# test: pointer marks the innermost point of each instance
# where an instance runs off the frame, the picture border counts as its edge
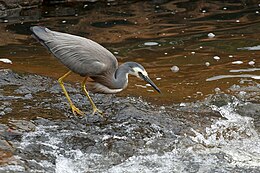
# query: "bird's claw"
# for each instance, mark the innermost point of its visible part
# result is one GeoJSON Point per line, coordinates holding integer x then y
{"type": "Point", "coordinates": [76, 111]}
{"type": "Point", "coordinates": [96, 110]}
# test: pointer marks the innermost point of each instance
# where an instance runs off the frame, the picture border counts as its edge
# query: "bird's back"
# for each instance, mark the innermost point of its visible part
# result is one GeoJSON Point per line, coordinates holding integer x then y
{"type": "Point", "coordinates": [81, 55]}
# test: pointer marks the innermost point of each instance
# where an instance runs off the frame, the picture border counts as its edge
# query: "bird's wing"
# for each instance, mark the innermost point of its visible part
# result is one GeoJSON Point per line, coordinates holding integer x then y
{"type": "Point", "coordinates": [81, 55]}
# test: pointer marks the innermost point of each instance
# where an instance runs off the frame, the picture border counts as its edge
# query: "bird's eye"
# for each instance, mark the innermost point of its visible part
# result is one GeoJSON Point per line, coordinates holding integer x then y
{"type": "Point", "coordinates": [140, 74]}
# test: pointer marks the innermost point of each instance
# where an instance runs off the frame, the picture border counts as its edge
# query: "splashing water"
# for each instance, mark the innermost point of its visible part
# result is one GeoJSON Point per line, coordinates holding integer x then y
{"type": "Point", "coordinates": [234, 135]}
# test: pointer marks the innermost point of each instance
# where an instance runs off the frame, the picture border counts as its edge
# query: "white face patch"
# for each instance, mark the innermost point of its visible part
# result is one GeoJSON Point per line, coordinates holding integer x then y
{"type": "Point", "coordinates": [136, 70]}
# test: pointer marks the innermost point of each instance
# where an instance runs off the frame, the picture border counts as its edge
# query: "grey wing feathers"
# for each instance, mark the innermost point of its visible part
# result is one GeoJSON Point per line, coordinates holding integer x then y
{"type": "Point", "coordinates": [81, 55]}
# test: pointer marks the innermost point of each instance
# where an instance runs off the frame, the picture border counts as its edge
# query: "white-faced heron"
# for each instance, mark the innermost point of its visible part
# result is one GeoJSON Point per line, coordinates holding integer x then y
{"type": "Point", "coordinates": [89, 59]}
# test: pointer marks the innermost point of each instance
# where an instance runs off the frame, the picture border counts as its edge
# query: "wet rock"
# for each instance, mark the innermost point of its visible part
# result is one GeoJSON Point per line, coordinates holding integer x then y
{"type": "Point", "coordinates": [5, 146]}
{"type": "Point", "coordinates": [10, 4]}
{"type": "Point", "coordinates": [12, 135]}
{"type": "Point", "coordinates": [8, 77]}
{"type": "Point", "coordinates": [175, 69]}
{"type": "Point", "coordinates": [221, 99]}
{"type": "Point", "coordinates": [22, 125]}
{"type": "Point", "coordinates": [78, 142]}
{"type": "Point", "coordinates": [28, 96]}
{"type": "Point", "coordinates": [6, 158]}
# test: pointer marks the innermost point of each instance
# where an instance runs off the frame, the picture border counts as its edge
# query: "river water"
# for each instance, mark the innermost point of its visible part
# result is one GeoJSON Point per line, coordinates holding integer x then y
{"type": "Point", "coordinates": [204, 56]}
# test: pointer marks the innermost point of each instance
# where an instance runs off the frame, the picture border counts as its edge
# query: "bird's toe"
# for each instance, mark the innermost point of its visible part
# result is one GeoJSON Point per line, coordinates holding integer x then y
{"type": "Point", "coordinates": [95, 110]}
{"type": "Point", "coordinates": [76, 111]}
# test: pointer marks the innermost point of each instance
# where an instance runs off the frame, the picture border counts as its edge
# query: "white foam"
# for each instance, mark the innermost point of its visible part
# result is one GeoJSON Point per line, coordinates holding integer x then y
{"type": "Point", "coordinates": [250, 48]}
{"type": "Point", "coordinates": [167, 162]}
{"type": "Point", "coordinates": [234, 135]}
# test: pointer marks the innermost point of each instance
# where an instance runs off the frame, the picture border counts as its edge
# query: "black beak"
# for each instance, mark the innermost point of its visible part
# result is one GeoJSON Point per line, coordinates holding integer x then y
{"type": "Point", "coordinates": [148, 80]}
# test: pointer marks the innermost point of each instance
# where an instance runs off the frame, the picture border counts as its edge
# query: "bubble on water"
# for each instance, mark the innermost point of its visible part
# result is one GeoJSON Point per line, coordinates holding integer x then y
{"type": "Point", "coordinates": [175, 69]}
{"type": "Point", "coordinates": [217, 90]}
{"type": "Point", "coordinates": [216, 58]}
{"type": "Point", "coordinates": [211, 35]}
{"type": "Point", "coordinates": [116, 53]}
{"type": "Point", "coordinates": [5, 21]}
{"type": "Point", "coordinates": [5, 60]}
{"type": "Point", "coordinates": [64, 21]}
{"type": "Point", "coordinates": [237, 62]}
{"type": "Point", "coordinates": [224, 8]}
{"type": "Point", "coordinates": [201, 47]}
{"type": "Point", "coordinates": [204, 11]}
{"type": "Point", "coordinates": [207, 64]}
{"type": "Point", "coordinates": [86, 5]}
{"type": "Point", "coordinates": [237, 21]}
{"type": "Point", "coordinates": [151, 43]}
{"type": "Point", "coordinates": [251, 63]}
{"type": "Point", "coordinates": [257, 12]}
{"type": "Point", "coordinates": [165, 53]}
{"type": "Point", "coordinates": [158, 78]}
{"type": "Point", "coordinates": [230, 56]}
{"type": "Point", "coordinates": [193, 53]}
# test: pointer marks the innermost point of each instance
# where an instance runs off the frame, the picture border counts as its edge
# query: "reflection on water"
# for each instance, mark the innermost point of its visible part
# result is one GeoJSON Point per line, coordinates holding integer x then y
{"type": "Point", "coordinates": [233, 76]}
{"type": "Point", "coordinates": [158, 34]}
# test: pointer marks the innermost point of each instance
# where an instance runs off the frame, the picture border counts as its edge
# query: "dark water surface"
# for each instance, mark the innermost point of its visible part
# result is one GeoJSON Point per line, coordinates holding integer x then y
{"type": "Point", "coordinates": [203, 55]}
{"type": "Point", "coordinates": [158, 34]}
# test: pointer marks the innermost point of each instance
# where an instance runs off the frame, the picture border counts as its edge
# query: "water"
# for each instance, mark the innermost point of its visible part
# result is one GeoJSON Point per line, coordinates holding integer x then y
{"type": "Point", "coordinates": [205, 120]}
{"type": "Point", "coordinates": [165, 34]}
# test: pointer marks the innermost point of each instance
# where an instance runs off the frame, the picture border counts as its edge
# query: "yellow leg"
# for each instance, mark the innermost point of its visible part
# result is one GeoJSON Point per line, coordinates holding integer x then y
{"type": "Point", "coordinates": [75, 110]}
{"type": "Point", "coordinates": [95, 109]}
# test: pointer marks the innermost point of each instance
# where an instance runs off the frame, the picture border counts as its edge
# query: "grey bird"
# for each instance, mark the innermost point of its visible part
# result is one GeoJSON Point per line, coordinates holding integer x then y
{"type": "Point", "coordinates": [90, 60]}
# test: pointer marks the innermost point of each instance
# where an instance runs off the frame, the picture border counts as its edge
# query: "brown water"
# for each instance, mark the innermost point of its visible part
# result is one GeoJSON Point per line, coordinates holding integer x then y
{"type": "Point", "coordinates": [157, 34]}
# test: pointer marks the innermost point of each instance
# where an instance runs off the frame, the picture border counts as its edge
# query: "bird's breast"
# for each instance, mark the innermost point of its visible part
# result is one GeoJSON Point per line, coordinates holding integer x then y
{"type": "Point", "coordinates": [99, 88]}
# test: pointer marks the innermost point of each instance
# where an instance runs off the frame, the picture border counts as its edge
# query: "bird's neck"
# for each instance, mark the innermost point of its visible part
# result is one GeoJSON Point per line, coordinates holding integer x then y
{"type": "Point", "coordinates": [121, 76]}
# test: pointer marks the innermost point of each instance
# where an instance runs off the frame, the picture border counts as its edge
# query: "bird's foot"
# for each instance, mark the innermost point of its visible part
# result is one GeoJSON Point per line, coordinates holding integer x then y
{"type": "Point", "coordinates": [76, 111]}
{"type": "Point", "coordinates": [96, 110]}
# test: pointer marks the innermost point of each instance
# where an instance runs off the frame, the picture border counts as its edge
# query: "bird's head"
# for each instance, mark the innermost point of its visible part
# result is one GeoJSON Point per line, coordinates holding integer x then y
{"type": "Point", "coordinates": [139, 71]}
